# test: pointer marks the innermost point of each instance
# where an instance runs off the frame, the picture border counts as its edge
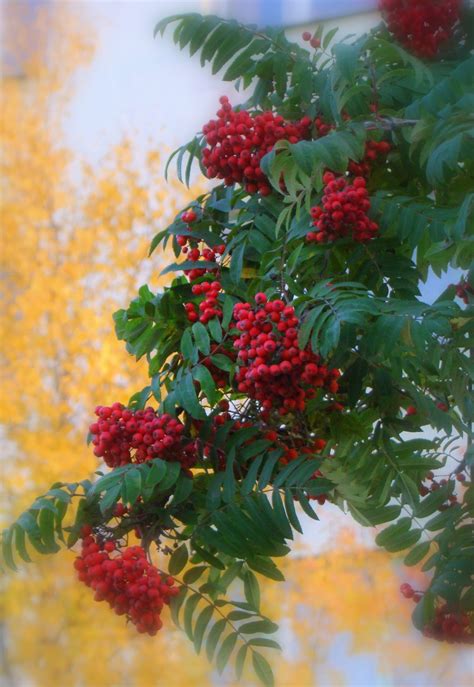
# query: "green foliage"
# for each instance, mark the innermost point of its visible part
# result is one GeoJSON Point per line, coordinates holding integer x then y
{"type": "Point", "coordinates": [359, 309]}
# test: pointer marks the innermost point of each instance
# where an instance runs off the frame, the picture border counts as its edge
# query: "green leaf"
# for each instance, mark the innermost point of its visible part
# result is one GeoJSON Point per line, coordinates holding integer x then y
{"type": "Point", "coordinates": [207, 383]}
{"type": "Point", "coordinates": [393, 531]}
{"type": "Point", "coordinates": [424, 612]}
{"type": "Point", "coordinates": [291, 511]}
{"type": "Point", "coordinates": [262, 669]}
{"type": "Point", "coordinates": [183, 489]}
{"type": "Point", "coordinates": [188, 398]}
{"type": "Point", "coordinates": [222, 362]}
{"type": "Point", "coordinates": [444, 519]}
{"type": "Point", "coordinates": [268, 467]}
{"type": "Point", "coordinates": [111, 497]}
{"type": "Point", "coordinates": [209, 558]}
{"type": "Point", "coordinates": [214, 636]}
{"type": "Point", "coordinates": [280, 515]}
{"type": "Point", "coordinates": [240, 615]}
{"type": "Point", "coordinates": [187, 347]}
{"type": "Point", "coordinates": [173, 471]}
{"type": "Point", "coordinates": [263, 641]}
{"type": "Point", "coordinates": [432, 502]}
{"type": "Point", "coordinates": [305, 505]}
{"type": "Point", "coordinates": [46, 522]}
{"type": "Point", "coordinates": [176, 603]}
{"type": "Point", "coordinates": [251, 589]}
{"type": "Point", "coordinates": [215, 329]}
{"type": "Point", "coordinates": [240, 660]}
{"type": "Point", "coordinates": [7, 538]}
{"type": "Point", "coordinates": [201, 337]}
{"type": "Point", "coordinates": [20, 543]}
{"type": "Point", "coordinates": [178, 560]}
{"type": "Point", "coordinates": [251, 476]}
{"type": "Point", "coordinates": [236, 264]}
{"type": "Point", "coordinates": [156, 473]}
{"type": "Point", "coordinates": [398, 537]}
{"type": "Point", "coordinates": [417, 553]}
{"type": "Point", "coordinates": [201, 626]}
{"type": "Point", "coordinates": [194, 573]}
{"type": "Point", "coordinates": [132, 486]}
{"type": "Point", "coordinates": [266, 567]}
{"type": "Point", "coordinates": [263, 626]}
{"type": "Point", "coordinates": [225, 651]}
{"type": "Point", "coordinates": [189, 608]}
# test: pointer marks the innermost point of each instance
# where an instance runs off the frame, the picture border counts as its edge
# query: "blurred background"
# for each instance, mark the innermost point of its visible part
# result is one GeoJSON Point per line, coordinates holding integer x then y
{"type": "Point", "coordinates": [91, 107]}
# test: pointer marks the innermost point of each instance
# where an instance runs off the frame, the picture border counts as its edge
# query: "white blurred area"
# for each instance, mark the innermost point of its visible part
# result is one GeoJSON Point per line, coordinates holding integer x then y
{"type": "Point", "coordinates": [148, 85]}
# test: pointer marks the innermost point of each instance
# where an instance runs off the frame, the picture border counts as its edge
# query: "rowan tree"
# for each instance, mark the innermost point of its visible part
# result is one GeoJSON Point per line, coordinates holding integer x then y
{"type": "Point", "coordinates": [292, 362]}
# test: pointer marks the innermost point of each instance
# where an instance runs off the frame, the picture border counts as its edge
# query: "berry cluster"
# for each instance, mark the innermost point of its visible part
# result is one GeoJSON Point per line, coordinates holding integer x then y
{"type": "Point", "coordinates": [208, 308]}
{"type": "Point", "coordinates": [373, 151]}
{"type": "Point", "coordinates": [464, 291]}
{"type": "Point", "coordinates": [434, 485]}
{"type": "Point", "coordinates": [312, 40]}
{"type": "Point", "coordinates": [127, 581]}
{"type": "Point", "coordinates": [409, 593]}
{"type": "Point", "coordinates": [122, 436]}
{"type": "Point", "coordinates": [237, 141]}
{"type": "Point", "coordinates": [447, 625]}
{"type": "Point", "coordinates": [450, 626]}
{"type": "Point", "coordinates": [422, 26]}
{"type": "Point", "coordinates": [322, 128]}
{"type": "Point", "coordinates": [343, 212]}
{"type": "Point", "coordinates": [274, 370]}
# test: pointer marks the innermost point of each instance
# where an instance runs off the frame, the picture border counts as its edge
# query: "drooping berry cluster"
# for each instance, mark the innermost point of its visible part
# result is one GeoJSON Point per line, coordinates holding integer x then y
{"type": "Point", "coordinates": [343, 212]}
{"type": "Point", "coordinates": [237, 141]}
{"type": "Point", "coordinates": [122, 436]}
{"type": "Point", "coordinates": [208, 307]}
{"type": "Point", "coordinates": [126, 580]}
{"type": "Point", "coordinates": [274, 370]}
{"type": "Point", "coordinates": [422, 26]}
